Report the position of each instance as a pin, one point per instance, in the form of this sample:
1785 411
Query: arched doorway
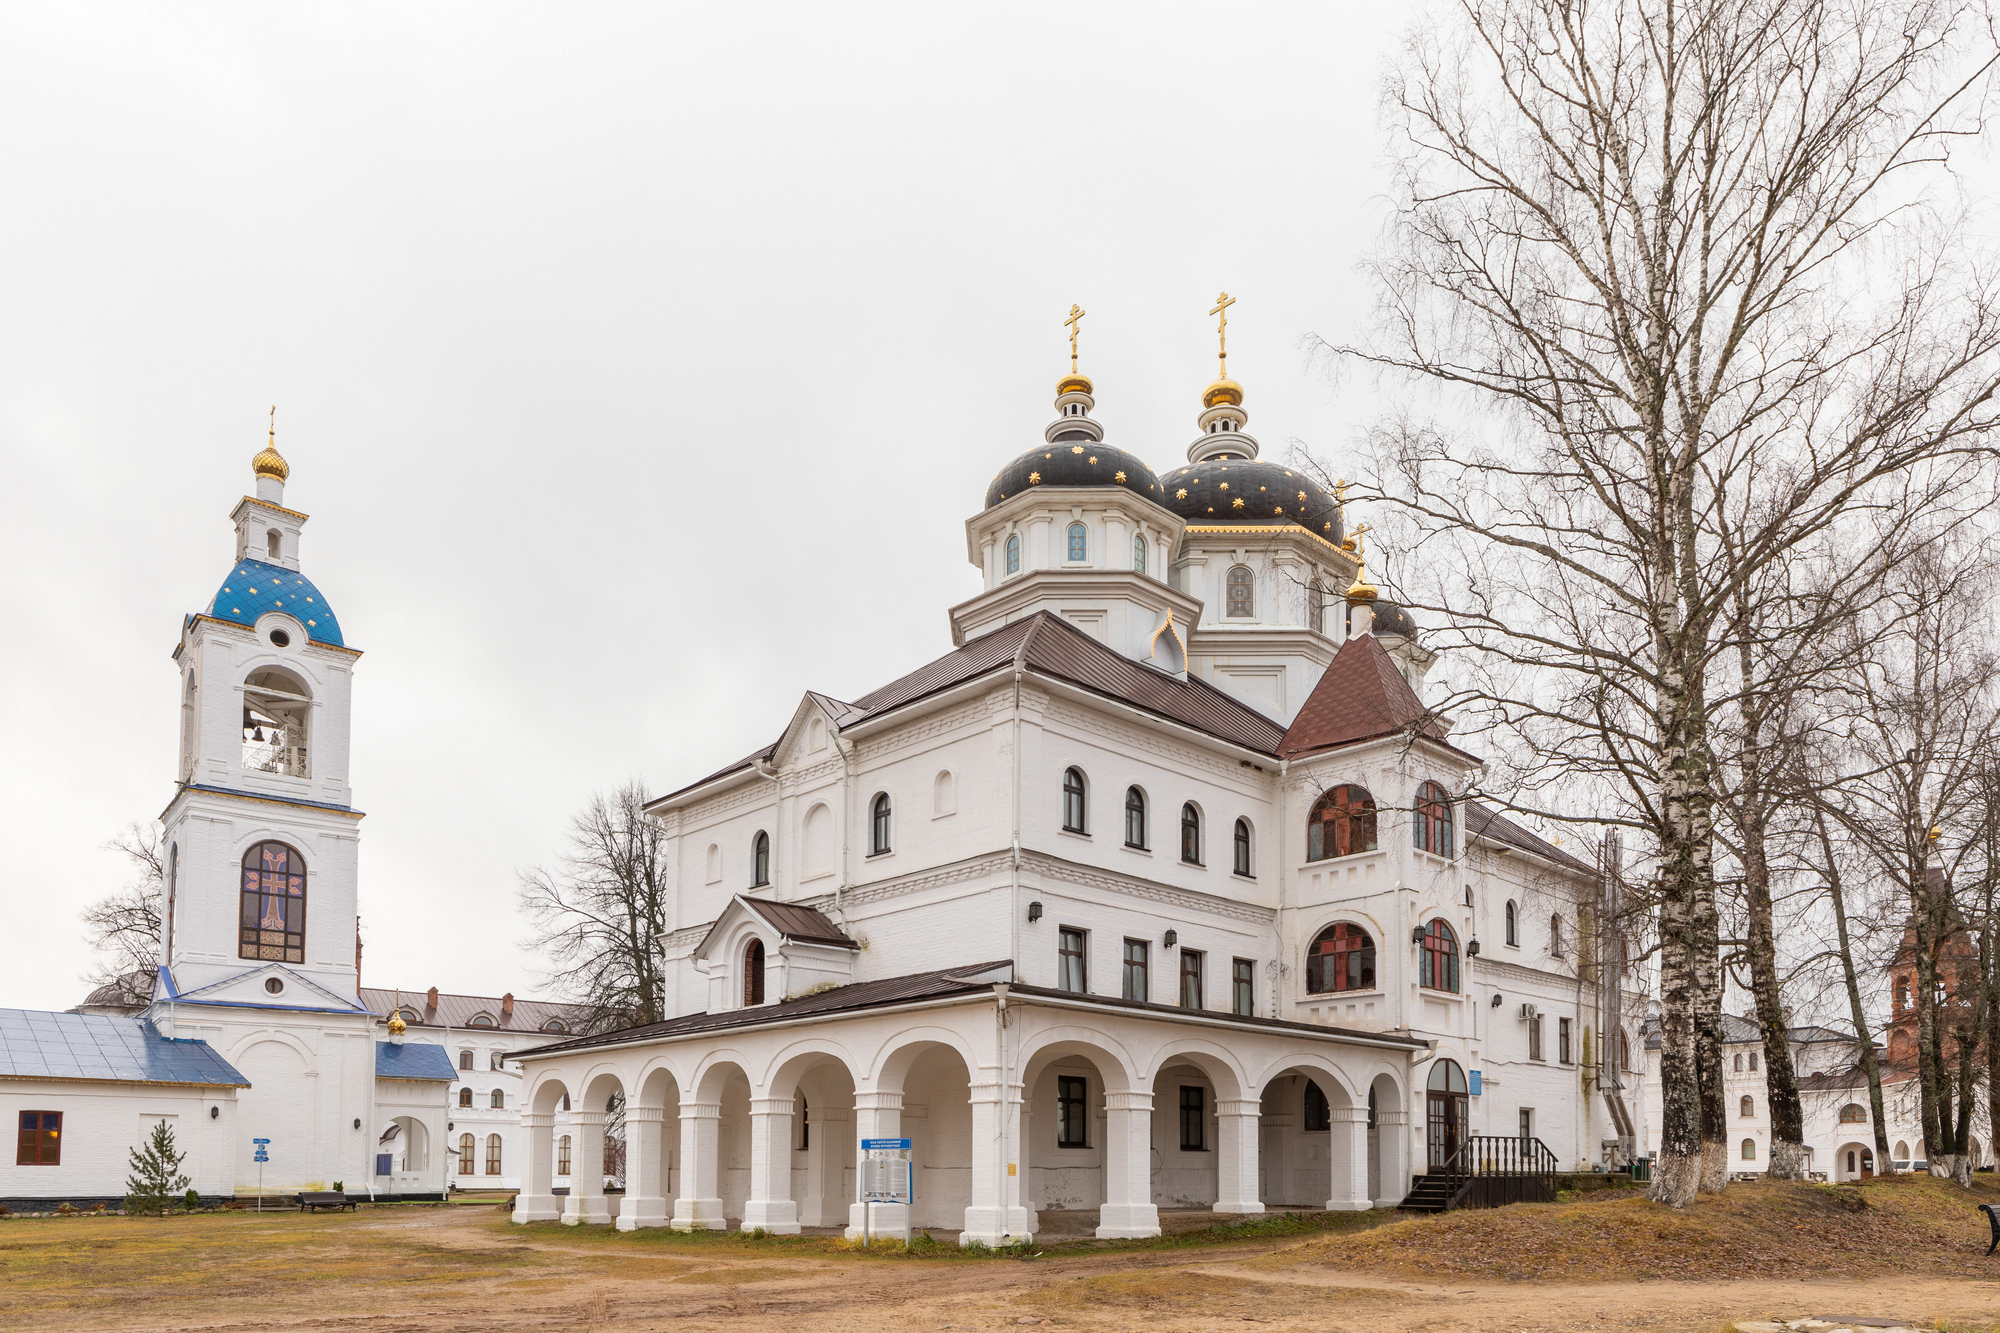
1854 1161
1448 1111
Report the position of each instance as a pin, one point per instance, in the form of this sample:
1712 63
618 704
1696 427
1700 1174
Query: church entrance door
1449 1110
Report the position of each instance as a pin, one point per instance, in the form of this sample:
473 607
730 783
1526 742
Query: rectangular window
1070 972
41 1139
1072 1128
1190 979
1527 1124
1193 1120
1535 1038
1243 988
1136 987
1562 1040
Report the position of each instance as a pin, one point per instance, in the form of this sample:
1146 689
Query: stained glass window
1342 823
1079 542
1014 553
1139 553
1239 598
1431 828
274 904
1438 967
1342 957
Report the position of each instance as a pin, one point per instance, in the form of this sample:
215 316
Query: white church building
257 1046
1158 891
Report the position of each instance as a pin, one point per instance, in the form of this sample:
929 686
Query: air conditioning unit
1530 1013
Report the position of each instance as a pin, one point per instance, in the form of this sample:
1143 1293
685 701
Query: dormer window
753 974
481 1021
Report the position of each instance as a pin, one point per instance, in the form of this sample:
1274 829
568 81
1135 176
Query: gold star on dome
1237 503
1181 494
1048 455
1223 484
1076 448
1119 477
1034 478
1263 488
1093 460
1302 497
1278 510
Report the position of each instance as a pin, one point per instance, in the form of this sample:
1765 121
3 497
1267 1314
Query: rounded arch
658 1085
1076 543
944 793
1336 1083
546 1094
753 969
1341 957
1243 847
1432 828
600 1083
1239 592
1223 1069
760 859
1342 822
1013 565
1437 967
1075 800
252 1040
714 1071
780 1075
1135 816
1190 833
1513 924
818 840
889 1064
271 926
1116 1064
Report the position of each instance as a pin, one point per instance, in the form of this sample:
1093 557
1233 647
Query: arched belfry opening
276 708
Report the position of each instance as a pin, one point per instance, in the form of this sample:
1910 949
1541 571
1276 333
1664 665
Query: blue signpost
261 1156
887 1175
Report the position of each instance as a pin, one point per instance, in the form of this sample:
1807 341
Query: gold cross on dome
1075 323
1360 530
1221 312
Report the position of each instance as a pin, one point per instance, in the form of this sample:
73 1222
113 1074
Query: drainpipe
1014 896
1284 875
777 814
1000 1129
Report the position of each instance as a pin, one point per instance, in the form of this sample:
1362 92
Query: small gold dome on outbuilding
270 463
1361 590
1073 383
1223 391
397 1027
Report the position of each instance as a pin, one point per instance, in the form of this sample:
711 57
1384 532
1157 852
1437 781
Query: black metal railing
1489 1170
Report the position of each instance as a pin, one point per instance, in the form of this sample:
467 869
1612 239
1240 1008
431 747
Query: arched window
554 1025
277 706
1432 827
562 1155
760 859
1513 928
481 1021
465 1096
465 1059
1749 1150
1316 606
1242 853
878 825
1190 834
466 1165
1079 542
1624 1052
273 918
498 1100
1555 935
1342 957
1854 1114
492 1154
1073 807
271 543
753 973
1318 1115
1013 553
1135 817
1138 553
1439 967
1739 1063
1239 592
1747 1107
1342 823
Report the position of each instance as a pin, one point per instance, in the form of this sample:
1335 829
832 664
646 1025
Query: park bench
315 1200
1993 1218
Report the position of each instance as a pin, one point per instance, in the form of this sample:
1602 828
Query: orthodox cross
1221 313
1359 530
1076 313
274 425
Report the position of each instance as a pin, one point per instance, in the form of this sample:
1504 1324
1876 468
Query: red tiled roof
1361 697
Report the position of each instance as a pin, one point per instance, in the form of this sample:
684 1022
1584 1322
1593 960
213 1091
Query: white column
1392 1142
1128 1212
1347 1145
698 1207
770 1205
1236 1157
822 1203
587 1205
645 1202
537 1201
877 1115
995 1215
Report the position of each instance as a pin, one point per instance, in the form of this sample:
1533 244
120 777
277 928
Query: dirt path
465 1271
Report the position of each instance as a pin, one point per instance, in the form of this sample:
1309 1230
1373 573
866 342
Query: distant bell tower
261 833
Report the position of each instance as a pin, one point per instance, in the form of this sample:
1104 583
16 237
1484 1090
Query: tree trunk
1687 970
1787 1159
1870 1067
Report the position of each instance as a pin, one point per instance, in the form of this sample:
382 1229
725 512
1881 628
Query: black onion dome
1392 619
1246 491
1074 462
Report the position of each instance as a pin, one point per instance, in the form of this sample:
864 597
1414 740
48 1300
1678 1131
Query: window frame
1190 834
39 1144
1749 1150
1239 592
755 960
1350 816
1139 553
1243 987
563 1159
468 1155
495 1154
1433 829
1555 935
1136 960
465 1097
496 1100
1564 1045
1513 935
1746 1107
1073 963
1193 969
1439 952
1341 941
1535 1051
760 860
1072 1111
1240 844
1010 560
1076 543
1315 1110
254 883
465 1059
1135 818
881 824
1194 1118
1075 802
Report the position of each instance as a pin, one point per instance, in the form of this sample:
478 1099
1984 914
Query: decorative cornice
940 877
922 730
1269 530
1140 739
266 504
1107 881
241 628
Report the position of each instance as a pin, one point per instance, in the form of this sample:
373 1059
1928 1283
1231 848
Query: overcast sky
639 367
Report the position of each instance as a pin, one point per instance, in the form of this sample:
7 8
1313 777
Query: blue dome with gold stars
1077 461
1244 491
254 587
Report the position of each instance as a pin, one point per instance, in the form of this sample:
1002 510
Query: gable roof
105 1048
802 925
1360 697
1050 646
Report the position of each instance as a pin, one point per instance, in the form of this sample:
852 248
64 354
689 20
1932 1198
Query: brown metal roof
1482 822
458 1011
1360 697
807 925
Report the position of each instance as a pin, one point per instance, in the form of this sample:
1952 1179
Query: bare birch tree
124 927
603 914
1668 266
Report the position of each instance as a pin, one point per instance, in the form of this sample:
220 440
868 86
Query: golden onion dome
397 1027
1073 383
270 463
1222 391
1361 590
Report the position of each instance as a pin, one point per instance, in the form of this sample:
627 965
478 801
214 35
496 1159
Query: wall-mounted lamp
1496 999
1173 938
1472 949
1416 934
1035 911
357 1122
215 1113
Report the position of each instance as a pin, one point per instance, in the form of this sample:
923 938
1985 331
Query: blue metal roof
36 1043
413 1059
254 587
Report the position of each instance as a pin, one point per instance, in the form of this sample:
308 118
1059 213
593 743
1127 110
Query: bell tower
261 834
